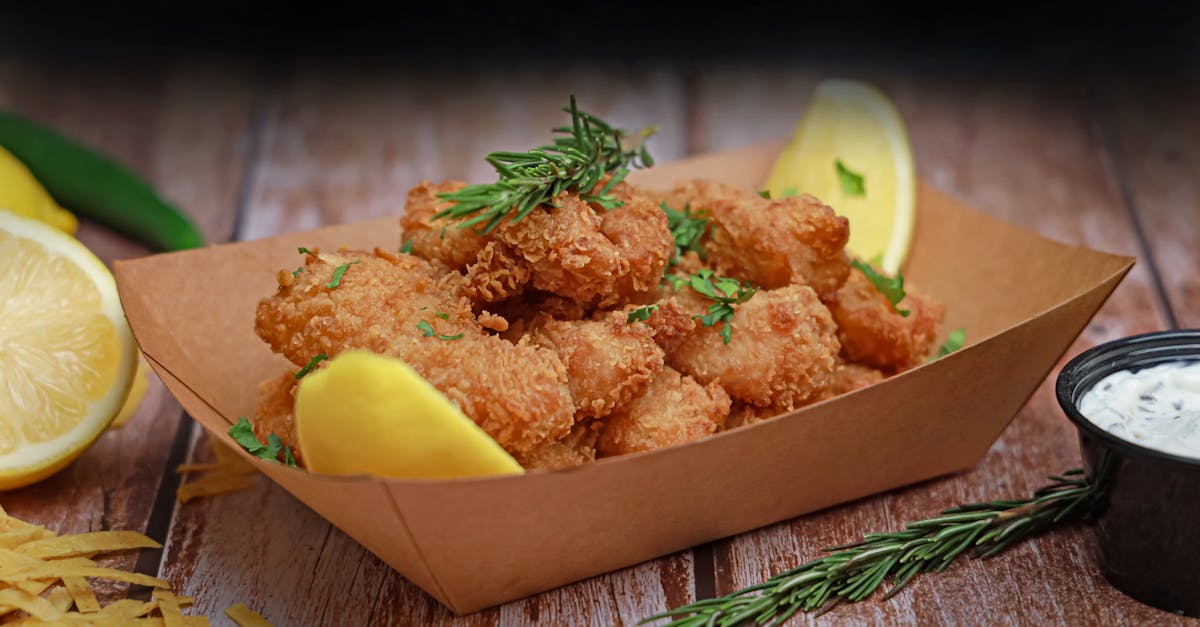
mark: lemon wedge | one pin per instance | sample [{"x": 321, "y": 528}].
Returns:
[
  {"x": 23, "y": 195},
  {"x": 66, "y": 353},
  {"x": 851, "y": 150},
  {"x": 368, "y": 414}
]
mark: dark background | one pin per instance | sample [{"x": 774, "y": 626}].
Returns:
[{"x": 1042, "y": 38}]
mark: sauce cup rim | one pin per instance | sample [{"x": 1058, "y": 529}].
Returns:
[{"x": 1074, "y": 380}]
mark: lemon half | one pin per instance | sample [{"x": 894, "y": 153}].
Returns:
[
  {"x": 66, "y": 354},
  {"x": 855, "y": 125}
]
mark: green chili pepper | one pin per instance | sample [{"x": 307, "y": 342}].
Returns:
[{"x": 95, "y": 186}]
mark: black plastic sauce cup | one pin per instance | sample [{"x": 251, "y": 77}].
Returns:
[{"x": 1148, "y": 526}]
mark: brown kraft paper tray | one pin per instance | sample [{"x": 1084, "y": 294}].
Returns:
[{"x": 473, "y": 543}]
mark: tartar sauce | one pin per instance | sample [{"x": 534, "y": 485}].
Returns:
[{"x": 1158, "y": 407}]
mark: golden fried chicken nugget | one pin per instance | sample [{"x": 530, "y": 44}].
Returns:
[
  {"x": 393, "y": 306},
  {"x": 576, "y": 449},
  {"x": 275, "y": 411},
  {"x": 782, "y": 350},
  {"x": 770, "y": 242},
  {"x": 609, "y": 361},
  {"x": 569, "y": 254},
  {"x": 874, "y": 333},
  {"x": 638, "y": 228},
  {"x": 675, "y": 409},
  {"x": 438, "y": 240}
]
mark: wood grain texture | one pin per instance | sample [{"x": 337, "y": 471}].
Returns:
[
  {"x": 1030, "y": 155},
  {"x": 1156, "y": 137},
  {"x": 181, "y": 126},
  {"x": 337, "y": 146}
]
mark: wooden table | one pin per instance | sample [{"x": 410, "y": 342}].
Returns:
[{"x": 252, "y": 150}]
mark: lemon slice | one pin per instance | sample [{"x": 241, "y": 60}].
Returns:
[
  {"x": 851, "y": 150},
  {"x": 66, "y": 353},
  {"x": 23, "y": 195},
  {"x": 369, "y": 414}
]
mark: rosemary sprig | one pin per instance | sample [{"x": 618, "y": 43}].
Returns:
[
  {"x": 852, "y": 572},
  {"x": 588, "y": 150}
]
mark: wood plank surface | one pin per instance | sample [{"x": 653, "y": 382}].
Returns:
[
  {"x": 1156, "y": 136},
  {"x": 182, "y": 126},
  {"x": 306, "y": 145},
  {"x": 338, "y": 146},
  {"x": 1032, "y": 155}
]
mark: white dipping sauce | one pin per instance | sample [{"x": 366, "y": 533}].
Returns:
[{"x": 1158, "y": 407}]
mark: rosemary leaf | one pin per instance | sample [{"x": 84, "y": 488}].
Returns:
[{"x": 853, "y": 572}]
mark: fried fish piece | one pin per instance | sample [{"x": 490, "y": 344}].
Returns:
[
  {"x": 674, "y": 410},
  {"x": 782, "y": 350},
  {"x": 438, "y": 240},
  {"x": 609, "y": 361},
  {"x": 399, "y": 306},
  {"x": 275, "y": 411},
  {"x": 770, "y": 242},
  {"x": 576, "y": 449},
  {"x": 873, "y": 333}
]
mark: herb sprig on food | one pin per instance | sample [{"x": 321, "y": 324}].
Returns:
[
  {"x": 312, "y": 363},
  {"x": 588, "y": 149},
  {"x": 243, "y": 433},
  {"x": 641, "y": 313},
  {"x": 853, "y": 572},
  {"x": 428, "y": 331},
  {"x": 953, "y": 342},
  {"x": 687, "y": 229},
  {"x": 726, "y": 292},
  {"x": 891, "y": 287}
]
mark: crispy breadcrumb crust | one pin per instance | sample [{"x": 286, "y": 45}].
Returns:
[
  {"x": 674, "y": 410},
  {"x": 873, "y": 333}
]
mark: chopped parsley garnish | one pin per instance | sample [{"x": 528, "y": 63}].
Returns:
[
  {"x": 442, "y": 315},
  {"x": 954, "y": 341},
  {"x": 727, "y": 292},
  {"x": 641, "y": 313},
  {"x": 676, "y": 281},
  {"x": 406, "y": 247},
  {"x": 312, "y": 363},
  {"x": 687, "y": 229},
  {"x": 891, "y": 287},
  {"x": 338, "y": 273},
  {"x": 428, "y": 331},
  {"x": 787, "y": 193},
  {"x": 851, "y": 182},
  {"x": 243, "y": 433},
  {"x": 305, "y": 251},
  {"x": 297, "y": 271}
]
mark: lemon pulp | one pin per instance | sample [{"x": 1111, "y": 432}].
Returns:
[{"x": 66, "y": 354}]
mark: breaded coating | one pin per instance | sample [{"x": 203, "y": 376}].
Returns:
[
  {"x": 609, "y": 361},
  {"x": 782, "y": 352},
  {"x": 850, "y": 377},
  {"x": 639, "y": 230},
  {"x": 569, "y": 254},
  {"x": 743, "y": 414},
  {"x": 496, "y": 274},
  {"x": 275, "y": 411},
  {"x": 576, "y": 449},
  {"x": 675, "y": 409},
  {"x": 393, "y": 306},
  {"x": 593, "y": 255},
  {"x": 770, "y": 242},
  {"x": 873, "y": 333},
  {"x": 438, "y": 240}
]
